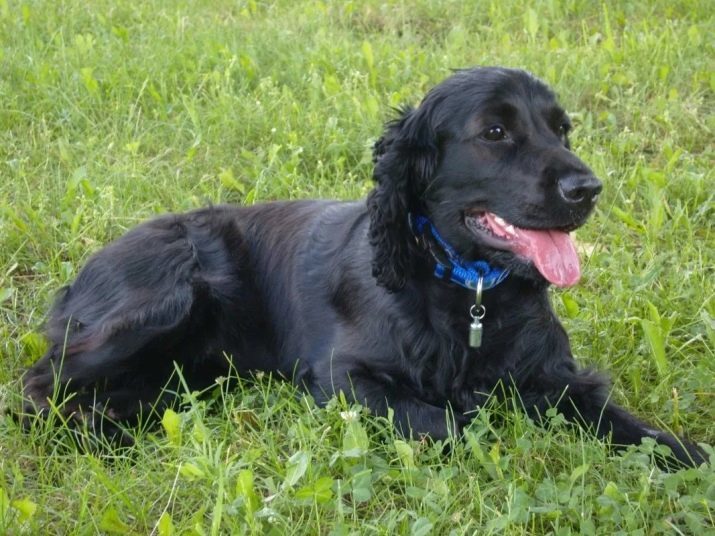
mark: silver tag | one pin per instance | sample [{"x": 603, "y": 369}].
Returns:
[
  {"x": 475, "y": 333},
  {"x": 477, "y": 312}
]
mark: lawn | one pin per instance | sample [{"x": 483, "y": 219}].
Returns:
[{"x": 112, "y": 111}]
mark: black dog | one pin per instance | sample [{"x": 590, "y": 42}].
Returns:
[{"x": 476, "y": 187}]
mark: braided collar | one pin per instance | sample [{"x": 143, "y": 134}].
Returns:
[{"x": 455, "y": 269}]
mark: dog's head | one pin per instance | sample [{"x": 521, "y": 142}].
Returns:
[{"x": 486, "y": 157}]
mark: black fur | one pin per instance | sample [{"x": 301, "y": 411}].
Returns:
[{"x": 339, "y": 296}]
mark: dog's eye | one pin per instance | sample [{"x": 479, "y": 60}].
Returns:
[
  {"x": 564, "y": 129},
  {"x": 494, "y": 133}
]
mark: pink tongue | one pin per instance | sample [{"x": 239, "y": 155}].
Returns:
[{"x": 552, "y": 252}]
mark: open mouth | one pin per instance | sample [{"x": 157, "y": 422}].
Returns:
[{"x": 550, "y": 250}]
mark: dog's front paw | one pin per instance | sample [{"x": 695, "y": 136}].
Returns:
[{"x": 684, "y": 453}]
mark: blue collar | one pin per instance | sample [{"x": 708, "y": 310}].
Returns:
[{"x": 456, "y": 270}]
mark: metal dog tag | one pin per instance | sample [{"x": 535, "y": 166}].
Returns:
[
  {"x": 477, "y": 312},
  {"x": 475, "y": 333}
]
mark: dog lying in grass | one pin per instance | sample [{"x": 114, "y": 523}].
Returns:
[{"x": 421, "y": 299}]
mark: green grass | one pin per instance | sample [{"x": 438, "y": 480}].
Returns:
[{"x": 113, "y": 111}]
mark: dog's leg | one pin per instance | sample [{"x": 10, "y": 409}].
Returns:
[
  {"x": 109, "y": 414},
  {"x": 412, "y": 416},
  {"x": 583, "y": 401},
  {"x": 625, "y": 429},
  {"x": 156, "y": 296}
]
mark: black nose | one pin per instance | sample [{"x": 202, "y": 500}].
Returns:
[{"x": 580, "y": 188}]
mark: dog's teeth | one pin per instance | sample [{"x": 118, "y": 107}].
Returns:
[
  {"x": 510, "y": 229},
  {"x": 499, "y": 220}
]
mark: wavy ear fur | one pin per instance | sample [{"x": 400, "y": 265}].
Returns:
[{"x": 405, "y": 159}]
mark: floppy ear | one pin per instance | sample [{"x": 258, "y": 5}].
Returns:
[{"x": 405, "y": 158}]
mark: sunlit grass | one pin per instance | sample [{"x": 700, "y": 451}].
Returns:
[{"x": 112, "y": 111}]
